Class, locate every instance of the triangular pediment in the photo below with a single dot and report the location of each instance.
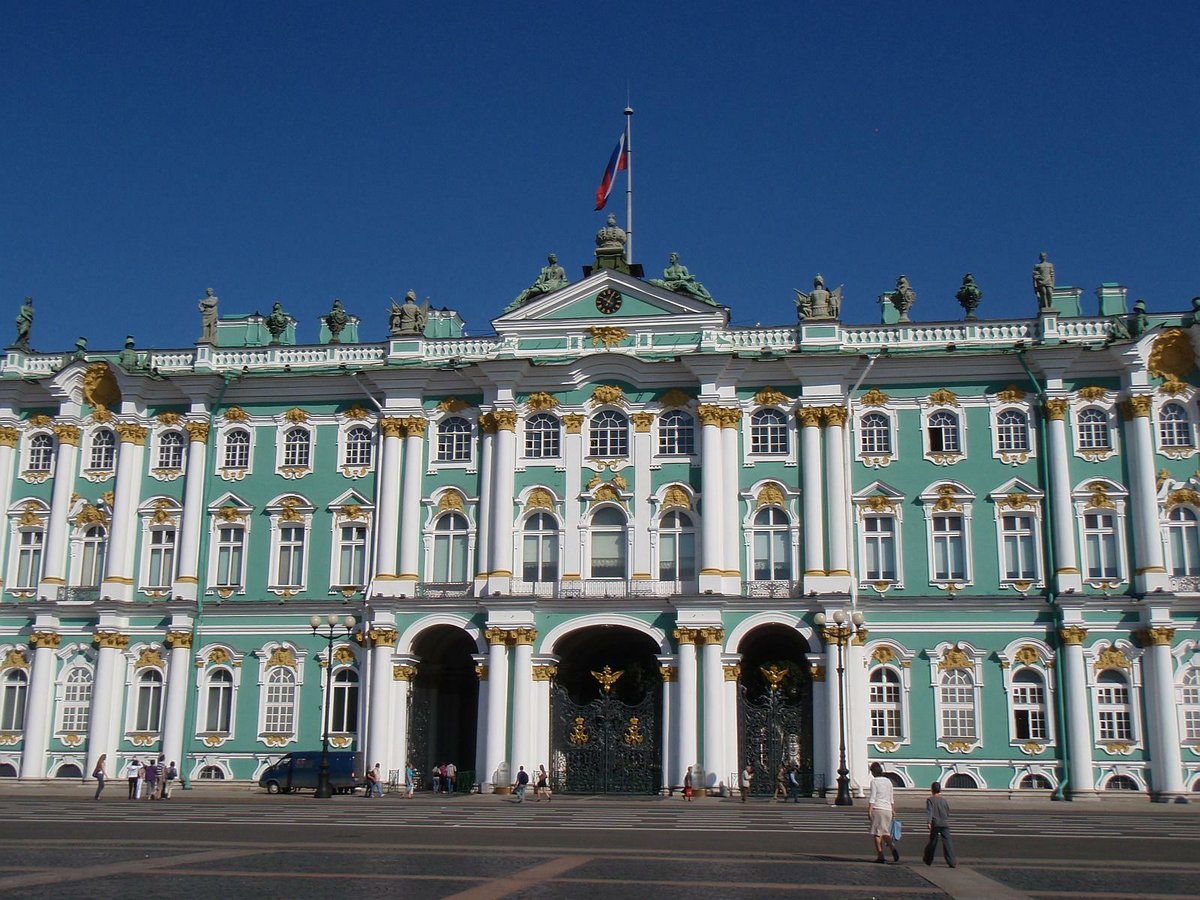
(610, 299)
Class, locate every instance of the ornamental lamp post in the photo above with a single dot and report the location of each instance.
(839, 632)
(332, 630)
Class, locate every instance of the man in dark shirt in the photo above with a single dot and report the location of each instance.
(937, 813)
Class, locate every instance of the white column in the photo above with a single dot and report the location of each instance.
(643, 452)
(813, 490)
(387, 513)
(857, 714)
(119, 562)
(685, 748)
(522, 701)
(1151, 571)
(187, 579)
(410, 505)
(1166, 761)
(106, 687)
(481, 725)
(8, 459)
(733, 762)
(483, 530)
(712, 547)
(1062, 515)
(504, 466)
(833, 686)
(497, 714)
(715, 768)
(54, 562)
(573, 460)
(542, 675)
(820, 716)
(380, 748)
(37, 707)
(839, 491)
(730, 507)
(1082, 783)
(669, 674)
(179, 639)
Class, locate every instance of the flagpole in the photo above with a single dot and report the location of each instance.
(628, 184)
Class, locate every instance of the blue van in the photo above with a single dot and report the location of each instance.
(300, 771)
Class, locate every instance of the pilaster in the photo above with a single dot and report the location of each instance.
(1067, 577)
(685, 720)
(712, 548)
(178, 640)
(54, 561)
(1150, 573)
(1081, 776)
(387, 512)
(187, 573)
(410, 506)
(119, 562)
(35, 736)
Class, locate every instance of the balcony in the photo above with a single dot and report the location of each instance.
(600, 588)
(78, 594)
(444, 590)
(772, 589)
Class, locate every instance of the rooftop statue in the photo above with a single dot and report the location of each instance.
(80, 349)
(336, 322)
(969, 295)
(208, 317)
(409, 318)
(819, 303)
(903, 297)
(1043, 282)
(277, 322)
(611, 237)
(24, 325)
(128, 358)
(677, 278)
(552, 277)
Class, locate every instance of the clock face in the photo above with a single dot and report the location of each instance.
(608, 301)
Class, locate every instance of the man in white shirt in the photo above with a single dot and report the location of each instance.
(879, 811)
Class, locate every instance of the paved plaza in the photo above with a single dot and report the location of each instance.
(235, 842)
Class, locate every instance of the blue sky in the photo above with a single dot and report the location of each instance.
(302, 152)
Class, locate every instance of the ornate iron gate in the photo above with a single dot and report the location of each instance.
(420, 712)
(604, 746)
(775, 731)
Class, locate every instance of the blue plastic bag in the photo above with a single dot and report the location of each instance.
(897, 830)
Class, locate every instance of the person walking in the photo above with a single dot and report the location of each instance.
(687, 785)
(781, 791)
(436, 777)
(160, 777)
(451, 778)
(522, 784)
(149, 779)
(937, 814)
(410, 778)
(133, 774)
(793, 781)
(879, 813)
(542, 786)
(100, 774)
(746, 779)
(374, 788)
(171, 774)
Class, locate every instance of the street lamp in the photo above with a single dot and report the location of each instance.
(840, 632)
(331, 628)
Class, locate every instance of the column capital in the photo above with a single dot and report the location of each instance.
(731, 416)
(642, 421)
(1137, 406)
(487, 423)
(523, 636)
(50, 639)
(545, 672)
(709, 414)
(131, 432)
(1073, 635)
(1157, 635)
(414, 426)
(712, 635)
(1055, 409)
(496, 636)
(809, 416)
(66, 434)
(108, 639)
(9, 436)
(197, 431)
(403, 672)
(573, 422)
(481, 671)
(687, 635)
(733, 672)
(668, 673)
(834, 415)
(505, 419)
(179, 639)
(390, 426)
(383, 637)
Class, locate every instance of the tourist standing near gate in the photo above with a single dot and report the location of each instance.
(451, 777)
(781, 791)
(409, 781)
(793, 781)
(133, 773)
(747, 778)
(687, 785)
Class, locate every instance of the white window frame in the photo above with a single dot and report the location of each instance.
(1169, 526)
(626, 542)
(63, 686)
(1019, 498)
(896, 658)
(790, 530)
(470, 439)
(89, 449)
(874, 460)
(1185, 397)
(949, 498)
(431, 535)
(974, 660)
(346, 512)
(542, 536)
(1009, 456)
(789, 435)
(1187, 695)
(693, 529)
(158, 515)
(29, 474)
(622, 437)
(660, 427)
(224, 430)
(14, 682)
(158, 471)
(1105, 404)
(879, 499)
(243, 520)
(16, 514)
(1086, 498)
(342, 736)
(1093, 656)
(275, 739)
(79, 542)
(133, 691)
(540, 458)
(1029, 655)
(354, 468)
(944, 457)
(230, 661)
(298, 467)
(287, 512)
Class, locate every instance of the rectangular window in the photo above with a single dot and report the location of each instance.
(230, 548)
(949, 549)
(162, 558)
(880, 548)
(1100, 543)
(352, 555)
(29, 559)
(1020, 561)
(290, 571)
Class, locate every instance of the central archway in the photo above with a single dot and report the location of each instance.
(606, 712)
(443, 705)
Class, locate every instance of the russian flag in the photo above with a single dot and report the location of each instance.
(616, 163)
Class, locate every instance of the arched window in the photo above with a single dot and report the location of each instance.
(771, 542)
(608, 543)
(218, 712)
(1092, 424)
(1183, 540)
(1035, 782)
(92, 548)
(1113, 712)
(358, 447)
(12, 705)
(280, 708)
(1029, 706)
(231, 548)
(296, 448)
(352, 555)
(1121, 783)
(8, 770)
(237, 449)
(884, 701)
(875, 432)
(961, 780)
(68, 770)
(958, 705)
(41, 453)
(943, 433)
(1174, 426)
(343, 707)
(676, 548)
(160, 568)
(454, 440)
(104, 451)
(879, 536)
(539, 548)
(170, 450)
(148, 701)
(29, 558)
(1012, 431)
(1191, 704)
(77, 701)
(212, 773)
(609, 435)
(543, 437)
(768, 432)
(1100, 544)
(676, 434)
(450, 544)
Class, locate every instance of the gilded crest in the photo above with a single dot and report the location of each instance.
(356, 412)
(946, 501)
(878, 503)
(768, 396)
(100, 386)
(608, 394)
(14, 659)
(149, 658)
(1099, 498)
(770, 494)
(674, 397)
(1011, 394)
(452, 405)
(540, 402)
(540, 498)
(452, 500)
(236, 414)
(31, 514)
(169, 419)
(943, 397)
(282, 658)
(607, 493)
(1172, 355)
(608, 336)
(1111, 658)
(955, 658)
(676, 497)
(1183, 496)
(874, 397)
(1092, 393)
(1027, 655)
(883, 655)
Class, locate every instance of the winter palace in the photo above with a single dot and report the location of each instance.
(619, 538)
